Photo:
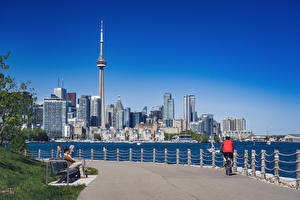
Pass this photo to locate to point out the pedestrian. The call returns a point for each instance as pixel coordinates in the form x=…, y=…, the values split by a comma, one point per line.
x=59, y=151
x=71, y=148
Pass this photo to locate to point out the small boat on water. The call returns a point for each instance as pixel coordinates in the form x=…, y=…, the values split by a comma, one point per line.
x=212, y=148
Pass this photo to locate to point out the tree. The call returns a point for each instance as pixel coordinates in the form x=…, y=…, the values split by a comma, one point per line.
x=204, y=138
x=16, y=105
x=35, y=134
x=217, y=138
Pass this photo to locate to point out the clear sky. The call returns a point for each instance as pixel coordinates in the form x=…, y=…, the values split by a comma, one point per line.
x=240, y=58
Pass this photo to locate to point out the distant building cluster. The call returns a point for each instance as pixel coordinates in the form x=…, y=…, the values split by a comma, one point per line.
x=63, y=115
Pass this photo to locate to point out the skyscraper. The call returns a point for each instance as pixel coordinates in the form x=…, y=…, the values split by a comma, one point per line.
x=109, y=115
x=95, y=111
x=101, y=63
x=208, y=123
x=84, y=109
x=119, y=112
x=72, y=97
x=60, y=93
x=54, y=116
x=189, y=111
x=127, y=117
x=168, y=110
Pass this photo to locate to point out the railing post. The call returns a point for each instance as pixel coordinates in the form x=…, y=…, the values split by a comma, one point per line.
x=130, y=154
x=25, y=152
x=52, y=153
x=246, y=162
x=46, y=173
x=177, y=156
x=201, y=157
x=79, y=153
x=234, y=161
x=263, y=164
x=104, y=149
x=118, y=152
x=166, y=155
x=189, y=157
x=154, y=154
x=298, y=169
x=142, y=155
x=92, y=154
x=39, y=154
x=213, y=160
x=276, y=166
x=253, y=162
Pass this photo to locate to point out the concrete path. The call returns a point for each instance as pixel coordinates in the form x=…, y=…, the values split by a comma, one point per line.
x=143, y=181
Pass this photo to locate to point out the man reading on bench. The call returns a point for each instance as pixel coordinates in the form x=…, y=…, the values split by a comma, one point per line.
x=73, y=163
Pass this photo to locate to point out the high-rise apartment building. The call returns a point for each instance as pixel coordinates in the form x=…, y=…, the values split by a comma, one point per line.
x=95, y=111
x=119, y=113
x=189, y=111
x=60, y=93
x=234, y=124
x=71, y=96
x=136, y=117
x=168, y=110
x=109, y=115
x=208, y=122
x=84, y=110
x=127, y=117
x=54, y=116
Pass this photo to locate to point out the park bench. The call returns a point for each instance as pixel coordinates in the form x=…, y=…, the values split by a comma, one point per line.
x=61, y=168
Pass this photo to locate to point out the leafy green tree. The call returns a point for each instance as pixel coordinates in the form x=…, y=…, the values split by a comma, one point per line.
x=35, y=134
x=16, y=105
x=204, y=138
x=217, y=138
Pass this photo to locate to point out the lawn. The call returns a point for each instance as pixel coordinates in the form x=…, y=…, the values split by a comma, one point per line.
x=26, y=177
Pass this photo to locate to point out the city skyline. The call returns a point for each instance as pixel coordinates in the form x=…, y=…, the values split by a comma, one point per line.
x=265, y=97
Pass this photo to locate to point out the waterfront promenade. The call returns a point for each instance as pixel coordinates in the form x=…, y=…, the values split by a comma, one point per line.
x=139, y=181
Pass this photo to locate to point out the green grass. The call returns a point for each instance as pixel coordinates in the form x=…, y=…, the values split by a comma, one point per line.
x=26, y=177
x=93, y=171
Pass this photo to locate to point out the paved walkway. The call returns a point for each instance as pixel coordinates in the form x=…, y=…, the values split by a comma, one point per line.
x=143, y=181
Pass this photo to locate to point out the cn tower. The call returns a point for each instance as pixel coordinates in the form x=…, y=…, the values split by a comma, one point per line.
x=101, y=63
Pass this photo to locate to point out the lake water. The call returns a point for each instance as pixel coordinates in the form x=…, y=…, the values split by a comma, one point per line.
x=283, y=147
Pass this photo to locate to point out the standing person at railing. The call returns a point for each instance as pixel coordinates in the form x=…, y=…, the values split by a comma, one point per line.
x=227, y=148
x=71, y=148
x=59, y=151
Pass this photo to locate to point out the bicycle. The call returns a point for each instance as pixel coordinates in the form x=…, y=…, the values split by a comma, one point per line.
x=228, y=167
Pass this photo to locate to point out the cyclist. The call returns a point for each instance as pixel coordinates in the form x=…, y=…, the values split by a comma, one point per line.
x=227, y=149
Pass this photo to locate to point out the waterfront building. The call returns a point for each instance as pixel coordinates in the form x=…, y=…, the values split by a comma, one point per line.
x=101, y=64
x=60, y=93
x=144, y=114
x=136, y=118
x=71, y=96
x=180, y=124
x=95, y=111
x=217, y=129
x=156, y=115
x=109, y=115
x=127, y=117
x=54, y=116
x=168, y=110
x=234, y=124
x=119, y=115
x=208, y=121
x=38, y=116
x=238, y=135
x=84, y=109
x=189, y=111
x=197, y=127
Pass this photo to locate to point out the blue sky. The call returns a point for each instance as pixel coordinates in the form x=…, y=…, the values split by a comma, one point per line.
x=240, y=59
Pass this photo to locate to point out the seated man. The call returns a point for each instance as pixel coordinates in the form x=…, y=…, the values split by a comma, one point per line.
x=73, y=163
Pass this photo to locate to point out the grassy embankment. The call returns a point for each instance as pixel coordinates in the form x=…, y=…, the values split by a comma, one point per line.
x=26, y=178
